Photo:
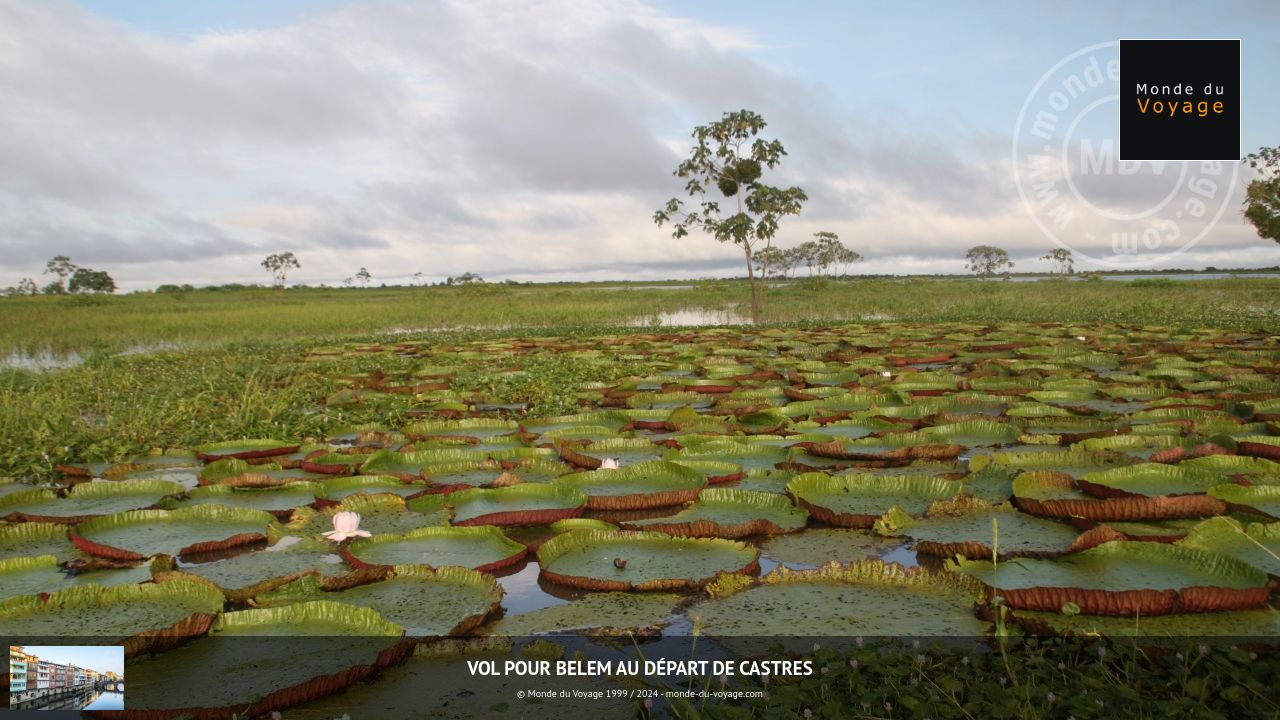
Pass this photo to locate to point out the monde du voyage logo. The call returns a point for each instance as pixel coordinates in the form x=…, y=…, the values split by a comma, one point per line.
x=1125, y=152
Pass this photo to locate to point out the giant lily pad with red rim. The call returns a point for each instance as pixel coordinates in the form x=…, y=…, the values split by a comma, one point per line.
x=1056, y=495
x=32, y=538
x=244, y=449
x=857, y=500
x=605, y=614
x=647, y=561
x=143, y=618
x=279, y=500
x=482, y=548
x=867, y=598
x=971, y=529
x=138, y=534
x=86, y=500
x=729, y=513
x=338, y=488
x=1125, y=578
x=522, y=504
x=1148, y=480
x=379, y=514
x=331, y=646
x=1255, y=543
x=636, y=487
x=425, y=601
x=42, y=574
x=247, y=574
x=1261, y=499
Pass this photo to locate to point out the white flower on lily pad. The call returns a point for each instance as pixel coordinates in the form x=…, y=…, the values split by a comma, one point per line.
x=885, y=373
x=609, y=464
x=346, y=525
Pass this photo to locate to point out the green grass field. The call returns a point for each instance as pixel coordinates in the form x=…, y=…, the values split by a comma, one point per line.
x=89, y=323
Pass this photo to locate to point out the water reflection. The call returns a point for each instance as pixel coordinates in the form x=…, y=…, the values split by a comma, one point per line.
x=89, y=699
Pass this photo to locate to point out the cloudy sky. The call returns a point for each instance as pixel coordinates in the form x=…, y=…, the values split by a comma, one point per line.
x=181, y=142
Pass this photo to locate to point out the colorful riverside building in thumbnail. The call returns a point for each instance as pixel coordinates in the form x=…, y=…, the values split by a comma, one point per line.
x=28, y=672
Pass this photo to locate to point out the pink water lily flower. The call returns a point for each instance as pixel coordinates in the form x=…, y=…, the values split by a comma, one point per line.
x=609, y=464
x=346, y=525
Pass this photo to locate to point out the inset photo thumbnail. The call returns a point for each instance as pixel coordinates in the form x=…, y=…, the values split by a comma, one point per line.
x=66, y=677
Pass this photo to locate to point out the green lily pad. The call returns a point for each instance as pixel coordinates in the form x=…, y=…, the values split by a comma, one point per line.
x=636, y=487
x=603, y=560
x=30, y=539
x=857, y=500
x=605, y=613
x=332, y=645
x=340, y=487
x=120, y=611
x=243, y=449
x=1255, y=543
x=482, y=548
x=88, y=499
x=868, y=598
x=273, y=499
x=819, y=546
x=380, y=514
x=973, y=531
x=1149, y=480
x=974, y=433
x=523, y=504
x=1125, y=578
x=31, y=575
x=244, y=575
x=1264, y=499
x=425, y=601
x=729, y=513
x=138, y=534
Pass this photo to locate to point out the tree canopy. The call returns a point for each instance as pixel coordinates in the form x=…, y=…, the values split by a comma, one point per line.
x=987, y=260
x=729, y=156
x=1262, y=196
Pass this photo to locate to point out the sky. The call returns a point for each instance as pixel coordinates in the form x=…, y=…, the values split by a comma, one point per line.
x=182, y=142
x=103, y=658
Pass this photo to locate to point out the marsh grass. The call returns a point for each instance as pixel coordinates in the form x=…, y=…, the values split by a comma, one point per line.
x=32, y=325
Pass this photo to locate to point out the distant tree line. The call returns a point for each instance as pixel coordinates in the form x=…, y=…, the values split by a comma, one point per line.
x=69, y=278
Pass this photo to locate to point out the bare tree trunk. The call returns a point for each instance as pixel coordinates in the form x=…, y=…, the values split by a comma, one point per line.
x=757, y=302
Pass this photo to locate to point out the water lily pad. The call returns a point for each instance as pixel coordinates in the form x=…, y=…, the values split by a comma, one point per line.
x=141, y=617
x=603, y=560
x=1057, y=495
x=244, y=575
x=868, y=598
x=819, y=546
x=1148, y=480
x=1262, y=499
x=1255, y=543
x=523, y=504
x=277, y=500
x=425, y=601
x=972, y=531
x=331, y=646
x=636, y=487
x=857, y=500
x=1125, y=578
x=604, y=614
x=729, y=513
x=86, y=500
x=31, y=539
x=340, y=487
x=973, y=433
x=379, y=514
x=482, y=548
x=42, y=574
x=138, y=534
x=244, y=449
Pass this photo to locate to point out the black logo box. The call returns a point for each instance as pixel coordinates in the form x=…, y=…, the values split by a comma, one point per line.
x=1205, y=73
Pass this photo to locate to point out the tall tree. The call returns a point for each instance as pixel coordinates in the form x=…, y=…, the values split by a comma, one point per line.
x=95, y=281
x=1060, y=260
x=771, y=258
x=364, y=277
x=279, y=265
x=729, y=156
x=63, y=268
x=1262, y=196
x=987, y=260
